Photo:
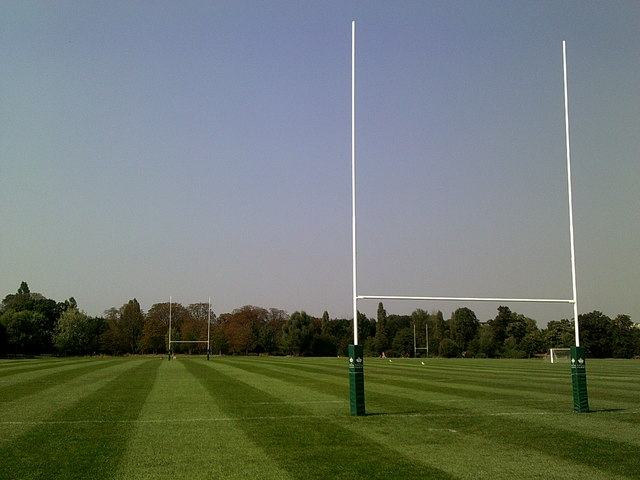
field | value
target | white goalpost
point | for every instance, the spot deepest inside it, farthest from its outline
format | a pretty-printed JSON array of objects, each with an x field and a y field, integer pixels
[
  {"x": 207, "y": 341},
  {"x": 356, "y": 370},
  {"x": 573, "y": 301},
  {"x": 559, "y": 355}
]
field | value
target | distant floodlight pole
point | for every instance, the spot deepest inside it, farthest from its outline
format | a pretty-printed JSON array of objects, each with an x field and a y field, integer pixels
[
  {"x": 568, "y": 146},
  {"x": 353, "y": 180}
]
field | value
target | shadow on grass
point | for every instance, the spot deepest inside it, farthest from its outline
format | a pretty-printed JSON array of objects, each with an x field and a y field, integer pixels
[
  {"x": 608, "y": 410},
  {"x": 390, "y": 414}
]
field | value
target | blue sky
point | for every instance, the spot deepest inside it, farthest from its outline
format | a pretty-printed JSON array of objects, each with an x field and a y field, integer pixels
[{"x": 195, "y": 149}]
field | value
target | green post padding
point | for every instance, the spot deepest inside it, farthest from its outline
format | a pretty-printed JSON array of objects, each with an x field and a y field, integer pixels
[
  {"x": 356, "y": 380},
  {"x": 169, "y": 355},
  {"x": 579, "y": 380}
]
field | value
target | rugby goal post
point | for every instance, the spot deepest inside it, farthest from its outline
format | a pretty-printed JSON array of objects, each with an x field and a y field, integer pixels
[
  {"x": 207, "y": 341},
  {"x": 356, "y": 378}
]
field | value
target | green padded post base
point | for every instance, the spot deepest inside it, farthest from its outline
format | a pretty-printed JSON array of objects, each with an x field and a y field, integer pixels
[
  {"x": 356, "y": 380},
  {"x": 579, "y": 380}
]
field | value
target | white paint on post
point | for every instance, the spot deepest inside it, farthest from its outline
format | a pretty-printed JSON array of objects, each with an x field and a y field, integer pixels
[
  {"x": 571, "y": 238},
  {"x": 353, "y": 180}
]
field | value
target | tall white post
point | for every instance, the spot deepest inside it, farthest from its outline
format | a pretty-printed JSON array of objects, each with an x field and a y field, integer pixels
[
  {"x": 169, "y": 325},
  {"x": 208, "y": 326},
  {"x": 415, "y": 345},
  {"x": 571, "y": 239},
  {"x": 353, "y": 180},
  {"x": 426, "y": 333}
]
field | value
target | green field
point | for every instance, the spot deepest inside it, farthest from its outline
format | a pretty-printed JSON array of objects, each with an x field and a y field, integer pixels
[{"x": 288, "y": 418}]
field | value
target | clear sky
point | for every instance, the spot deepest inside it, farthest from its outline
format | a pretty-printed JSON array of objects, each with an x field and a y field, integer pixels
[{"x": 202, "y": 148}]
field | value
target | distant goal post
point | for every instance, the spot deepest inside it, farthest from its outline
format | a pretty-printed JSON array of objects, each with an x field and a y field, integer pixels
[
  {"x": 559, "y": 355},
  {"x": 207, "y": 341}
]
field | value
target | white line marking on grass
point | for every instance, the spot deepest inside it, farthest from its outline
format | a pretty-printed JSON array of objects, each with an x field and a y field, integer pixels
[
  {"x": 293, "y": 417},
  {"x": 300, "y": 402},
  {"x": 158, "y": 420}
]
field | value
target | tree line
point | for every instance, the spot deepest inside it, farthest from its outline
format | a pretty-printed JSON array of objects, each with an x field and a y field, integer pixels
[{"x": 31, "y": 324}]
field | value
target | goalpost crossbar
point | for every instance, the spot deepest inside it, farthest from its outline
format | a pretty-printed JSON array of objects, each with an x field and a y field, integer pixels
[
  {"x": 466, "y": 299},
  {"x": 189, "y": 341}
]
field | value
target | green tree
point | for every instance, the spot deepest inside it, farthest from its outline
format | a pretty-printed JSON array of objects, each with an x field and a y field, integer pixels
[
  {"x": 340, "y": 332},
  {"x": 132, "y": 323},
  {"x": 241, "y": 328},
  {"x": 402, "y": 343},
  {"x": 298, "y": 333},
  {"x": 500, "y": 324},
  {"x": 623, "y": 337},
  {"x": 438, "y": 331},
  {"x": 270, "y": 330},
  {"x": 113, "y": 340},
  {"x": 463, "y": 326},
  {"x": 78, "y": 334},
  {"x": 155, "y": 332},
  {"x": 595, "y": 331},
  {"x": 380, "y": 343},
  {"x": 559, "y": 334},
  {"x": 532, "y": 343},
  {"x": 26, "y": 332},
  {"x": 487, "y": 345},
  {"x": 448, "y": 348}
]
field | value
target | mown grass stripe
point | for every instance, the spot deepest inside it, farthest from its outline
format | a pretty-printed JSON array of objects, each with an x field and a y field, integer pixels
[
  {"x": 39, "y": 384},
  {"x": 528, "y": 432},
  {"x": 39, "y": 366},
  {"x": 510, "y": 400},
  {"x": 309, "y": 448},
  {"x": 82, "y": 450},
  {"x": 181, "y": 434},
  {"x": 391, "y": 396}
]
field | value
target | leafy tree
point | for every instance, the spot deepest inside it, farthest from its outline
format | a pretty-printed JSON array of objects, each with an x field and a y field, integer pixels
[
  {"x": 78, "y": 334},
  {"x": 25, "y": 300},
  {"x": 113, "y": 340},
  {"x": 559, "y": 334},
  {"x": 398, "y": 322},
  {"x": 218, "y": 339},
  {"x": 487, "y": 344},
  {"x": 3, "y": 340},
  {"x": 402, "y": 344},
  {"x": 500, "y": 324},
  {"x": 341, "y": 334},
  {"x": 155, "y": 332},
  {"x": 131, "y": 323},
  {"x": 26, "y": 332},
  {"x": 595, "y": 328},
  {"x": 270, "y": 330},
  {"x": 532, "y": 343},
  {"x": 463, "y": 327},
  {"x": 380, "y": 342},
  {"x": 438, "y": 330},
  {"x": 366, "y": 328},
  {"x": 623, "y": 337},
  {"x": 242, "y": 326},
  {"x": 298, "y": 333},
  {"x": 448, "y": 348}
]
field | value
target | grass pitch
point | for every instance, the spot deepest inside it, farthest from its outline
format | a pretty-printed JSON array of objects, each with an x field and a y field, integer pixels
[{"x": 288, "y": 418}]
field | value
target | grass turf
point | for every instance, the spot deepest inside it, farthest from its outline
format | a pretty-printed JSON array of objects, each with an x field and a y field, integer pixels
[{"x": 288, "y": 418}]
